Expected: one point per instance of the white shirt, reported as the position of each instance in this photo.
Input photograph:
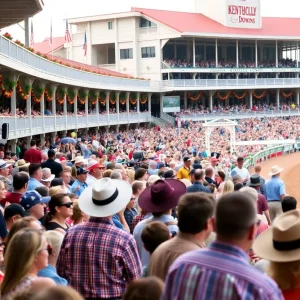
(243, 172)
(90, 180)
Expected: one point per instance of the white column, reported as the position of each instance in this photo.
(86, 106)
(149, 103)
(26, 23)
(13, 100)
(138, 103)
(277, 97)
(161, 102)
(65, 105)
(276, 54)
(185, 99)
(28, 102)
(256, 52)
(117, 50)
(297, 97)
(194, 53)
(118, 105)
(250, 99)
(53, 89)
(210, 100)
(42, 106)
(97, 106)
(216, 52)
(127, 102)
(237, 52)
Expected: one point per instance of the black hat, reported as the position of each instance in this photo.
(186, 159)
(255, 180)
(81, 171)
(13, 210)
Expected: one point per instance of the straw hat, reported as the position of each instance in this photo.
(22, 163)
(281, 242)
(275, 170)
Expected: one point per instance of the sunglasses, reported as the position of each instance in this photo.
(68, 205)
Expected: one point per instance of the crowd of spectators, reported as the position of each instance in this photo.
(230, 63)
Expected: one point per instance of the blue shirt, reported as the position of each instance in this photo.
(198, 187)
(77, 183)
(50, 272)
(222, 271)
(117, 222)
(137, 232)
(274, 188)
(33, 184)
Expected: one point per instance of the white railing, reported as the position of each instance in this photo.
(240, 115)
(147, 30)
(22, 127)
(14, 55)
(264, 154)
(230, 83)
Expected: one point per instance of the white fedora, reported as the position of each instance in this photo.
(275, 170)
(281, 242)
(105, 197)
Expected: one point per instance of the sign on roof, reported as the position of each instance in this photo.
(243, 14)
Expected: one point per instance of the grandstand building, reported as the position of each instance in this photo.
(210, 57)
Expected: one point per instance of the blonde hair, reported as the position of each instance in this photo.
(77, 213)
(251, 192)
(285, 273)
(228, 187)
(19, 263)
(56, 190)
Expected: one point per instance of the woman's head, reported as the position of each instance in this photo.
(228, 187)
(78, 216)
(60, 204)
(32, 258)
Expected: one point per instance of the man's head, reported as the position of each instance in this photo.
(20, 181)
(288, 203)
(141, 174)
(51, 154)
(32, 203)
(47, 177)
(240, 162)
(82, 174)
(236, 219)
(187, 162)
(95, 169)
(4, 168)
(257, 169)
(209, 171)
(35, 171)
(195, 211)
(13, 213)
(154, 234)
(199, 175)
(65, 175)
(33, 143)
(138, 187)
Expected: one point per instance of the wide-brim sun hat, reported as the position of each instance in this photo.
(162, 195)
(49, 179)
(281, 242)
(275, 170)
(255, 180)
(105, 197)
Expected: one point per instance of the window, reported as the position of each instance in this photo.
(126, 53)
(146, 23)
(148, 52)
(110, 25)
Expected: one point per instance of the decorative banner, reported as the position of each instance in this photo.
(47, 97)
(102, 98)
(93, 96)
(287, 95)
(7, 86)
(71, 97)
(239, 97)
(194, 97)
(123, 98)
(60, 95)
(24, 91)
(221, 97)
(143, 98)
(81, 96)
(37, 94)
(133, 98)
(258, 97)
(112, 98)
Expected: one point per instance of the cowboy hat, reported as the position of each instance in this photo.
(162, 195)
(255, 180)
(281, 242)
(78, 159)
(105, 197)
(49, 179)
(275, 170)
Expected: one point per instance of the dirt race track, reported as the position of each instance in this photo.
(290, 175)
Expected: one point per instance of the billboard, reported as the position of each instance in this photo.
(171, 104)
(243, 14)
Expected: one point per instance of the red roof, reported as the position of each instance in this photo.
(44, 47)
(198, 23)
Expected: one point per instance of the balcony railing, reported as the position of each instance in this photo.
(240, 115)
(13, 53)
(229, 83)
(22, 127)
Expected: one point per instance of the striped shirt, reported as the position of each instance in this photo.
(222, 272)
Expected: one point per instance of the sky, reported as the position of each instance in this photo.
(59, 10)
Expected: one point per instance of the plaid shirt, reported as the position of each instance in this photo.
(137, 219)
(98, 259)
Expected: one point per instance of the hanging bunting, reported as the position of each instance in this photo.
(194, 97)
(81, 96)
(93, 96)
(123, 98)
(239, 97)
(24, 91)
(71, 96)
(60, 95)
(102, 98)
(37, 94)
(133, 98)
(112, 98)
(7, 86)
(143, 98)
(258, 97)
(223, 97)
(47, 96)
(287, 95)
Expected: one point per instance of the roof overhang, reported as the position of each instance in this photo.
(15, 11)
(239, 36)
(104, 17)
